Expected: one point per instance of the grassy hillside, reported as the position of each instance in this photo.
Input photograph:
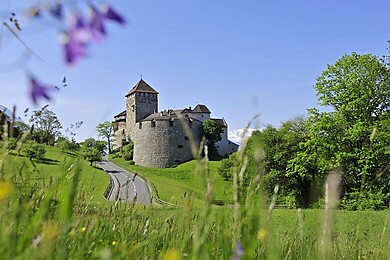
(92, 180)
(45, 213)
(175, 184)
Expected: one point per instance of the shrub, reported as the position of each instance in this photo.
(11, 144)
(127, 151)
(365, 200)
(33, 150)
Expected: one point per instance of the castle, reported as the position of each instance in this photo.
(162, 139)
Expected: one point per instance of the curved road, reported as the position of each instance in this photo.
(126, 186)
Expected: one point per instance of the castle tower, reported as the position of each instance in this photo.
(141, 101)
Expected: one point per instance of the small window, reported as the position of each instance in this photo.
(123, 131)
(180, 146)
(171, 123)
(190, 123)
(217, 146)
(140, 125)
(132, 108)
(202, 115)
(185, 137)
(177, 161)
(153, 124)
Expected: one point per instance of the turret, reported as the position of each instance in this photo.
(141, 101)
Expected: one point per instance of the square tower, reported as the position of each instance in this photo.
(141, 101)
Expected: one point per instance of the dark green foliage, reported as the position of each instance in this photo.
(92, 154)
(46, 126)
(33, 150)
(226, 167)
(11, 144)
(127, 151)
(355, 136)
(212, 132)
(67, 145)
(364, 200)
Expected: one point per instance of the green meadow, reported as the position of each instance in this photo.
(54, 209)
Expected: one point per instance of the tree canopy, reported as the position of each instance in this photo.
(106, 130)
(46, 126)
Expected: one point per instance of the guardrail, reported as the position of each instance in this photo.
(152, 188)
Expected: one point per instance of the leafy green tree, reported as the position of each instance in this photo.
(355, 135)
(33, 150)
(106, 130)
(212, 132)
(100, 145)
(92, 155)
(88, 142)
(67, 145)
(46, 126)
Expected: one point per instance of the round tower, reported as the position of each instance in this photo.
(141, 101)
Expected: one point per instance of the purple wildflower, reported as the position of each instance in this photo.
(75, 39)
(73, 48)
(56, 11)
(111, 14)
(38, 90)
(96, 24)
(239, 251)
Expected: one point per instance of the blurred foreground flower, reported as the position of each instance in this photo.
(172, 254)
(98, 30)
(261, 234)
(111, 14)
(38, 90)
(5, 190)
(239, 251)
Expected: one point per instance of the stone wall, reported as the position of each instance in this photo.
(164, 143)
(119, 134)
(139, 106)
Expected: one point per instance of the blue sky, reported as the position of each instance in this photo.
(240, 58)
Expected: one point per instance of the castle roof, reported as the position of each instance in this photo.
(220, 121)
(201, 109)
(142, 87)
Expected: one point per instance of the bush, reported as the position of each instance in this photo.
(287, 201)
(127, 151)
(11, 144)
(366, 200)
(33, 150)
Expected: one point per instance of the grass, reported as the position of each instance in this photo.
(175, 184)
(92, 183)
(45, 214)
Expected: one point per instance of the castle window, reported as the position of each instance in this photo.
(140, 125)
(180, 146)
(185, 137)
(190, 123)
(171, 123)
(123, 131)
(177, 161)
(132, 108)
(153, 124)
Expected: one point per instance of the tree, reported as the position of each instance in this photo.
(46, 126)
(92, 155)
(354, 136)
(212, 132)
(105, 130)
(34, 150)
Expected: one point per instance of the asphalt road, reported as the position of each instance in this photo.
(126, 186)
